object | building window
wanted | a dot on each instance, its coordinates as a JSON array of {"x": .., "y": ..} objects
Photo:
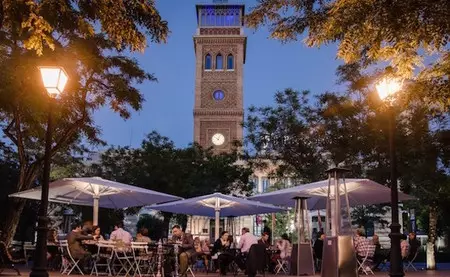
[
  {"x": 218, "y": 95},
  {"x": 254, "y": 182},
  {"x": 265, "y": 184},
  {"x": 208, "y": 62},
  {"x": 219, "y": 62},
  {"x": 230, "y": 62}
]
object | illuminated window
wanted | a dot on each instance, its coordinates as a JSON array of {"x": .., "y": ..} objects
[
  {"x": 208, "y": 62},
  {"x": 230, "y": 62},
  {"x": 219, "y": 62}
]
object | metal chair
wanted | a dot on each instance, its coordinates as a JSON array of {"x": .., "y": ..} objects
[
  {"x": 282, "y": 265},
  {"x": 409, "y": 263},
  {"x": 142, "y": 258},
  {"x": 364, "y": 264},
  {"x": 7, "y": 261},
  {"x": 69, "y": 263},
  {"x": 105, "y": 253}
]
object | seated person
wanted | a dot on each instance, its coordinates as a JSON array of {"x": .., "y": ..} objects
[
  {"x": 221, "y": 248},
  {"x": 206, "y": 252},
  {"x": 380, "y": 254},
  {"x": 404, "y": 246},
  {"x": 119, "y": 234},
  {"x": 264, "y": 239},
  {"x": 318, "y": 250},
  {"x": 76, "y": 249},
  {"x": 284, "y": 245},
  {"x": 360, "y": 243},
  {"x": 142, "y": 236},
  {"x": 414, "y": 245},
  {"x": 186, "y": 250},
  {"x": 246, "y": 241},
  {"x": 96, "y": 234}
]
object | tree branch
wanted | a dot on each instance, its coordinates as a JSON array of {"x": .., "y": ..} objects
[{"x": 7, "y": 132}]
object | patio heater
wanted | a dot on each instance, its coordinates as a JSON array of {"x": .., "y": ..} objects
[
  {"x": 302, "y": 251},
  {"x": 339, "y": 259}
]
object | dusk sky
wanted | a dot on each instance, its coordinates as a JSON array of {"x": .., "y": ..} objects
[{"x": 270, "y": 66}]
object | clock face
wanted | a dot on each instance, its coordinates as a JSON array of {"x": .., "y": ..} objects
[{"x": 218, "y": 139}]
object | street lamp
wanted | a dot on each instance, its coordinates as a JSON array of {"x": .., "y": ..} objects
[
  {"x": 54, "y": 80},
  {"x": 387, "y": 88}
]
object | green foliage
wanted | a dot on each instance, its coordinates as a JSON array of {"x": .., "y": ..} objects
[
  {"x": 88, "y": 39},
  {"x": 363, "y": 216},
  {"x": 281, "y": 132},
  {"x": 187, "y": 172},
  {"x": 405, "y": 34},
  {"x": 154, "y": 224},
  {"x": 351, "y": 130}
]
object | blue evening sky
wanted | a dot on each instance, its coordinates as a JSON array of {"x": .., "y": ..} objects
[{"x": 270, "y": 66}]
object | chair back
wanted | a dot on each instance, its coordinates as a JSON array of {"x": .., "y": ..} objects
[
  {"x": 105, "y": 249},
  {"x": 257, "y": 259},
  {"x": 6, "y": 257}
]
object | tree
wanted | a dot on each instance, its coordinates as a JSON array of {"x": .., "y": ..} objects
[
  {"x": 351, "y": 129},
  {"x": 280, "y": 132},
  {"x": 365, "y": 216},
  {"x": 405, "y": 34},
  {"x": 154, "y": 224},
  {"x": 87, "y": 38},
  {"x": 185, "y": 172}
]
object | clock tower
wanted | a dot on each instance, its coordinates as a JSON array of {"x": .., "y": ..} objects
[{"x": 220, "y": 55}]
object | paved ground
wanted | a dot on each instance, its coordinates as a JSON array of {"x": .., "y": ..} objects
[{"x": 438, "y": 273}]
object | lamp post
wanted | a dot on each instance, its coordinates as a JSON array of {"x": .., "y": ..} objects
[
  {"x": 54, "y": 80},
  {"x": 387, "y": 88}
]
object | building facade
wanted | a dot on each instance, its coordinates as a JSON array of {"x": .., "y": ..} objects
[{"x": 219, "y": 45}]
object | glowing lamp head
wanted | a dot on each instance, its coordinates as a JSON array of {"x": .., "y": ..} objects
[
  {"x": 54, "y": 78},
  {"x": 388, "y": 87}
]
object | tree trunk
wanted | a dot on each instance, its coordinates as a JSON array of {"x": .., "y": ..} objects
[
  {"x": 27, "y": 177},
  {"x": 15, "y": 207},
  {"x": 432, "y": 235}
]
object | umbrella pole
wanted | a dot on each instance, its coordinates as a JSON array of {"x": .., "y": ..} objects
[
  {"x": 217, "y": 219},
  {"x": 217, "y": 224},
  {"x": 95, "y": 215}
]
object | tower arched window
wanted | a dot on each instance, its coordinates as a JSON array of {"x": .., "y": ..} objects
[
  {"x": 219, "y": 62},
  {"x": 208, "y": 62},
  {"x": 230, "y": 62}
]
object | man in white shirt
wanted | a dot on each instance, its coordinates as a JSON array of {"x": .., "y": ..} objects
[
  {"x": 247, "y": 240},
  {"x": 120, "y": 234}
]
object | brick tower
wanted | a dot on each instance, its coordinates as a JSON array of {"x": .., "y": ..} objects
[{"x": 220, "y": 55}]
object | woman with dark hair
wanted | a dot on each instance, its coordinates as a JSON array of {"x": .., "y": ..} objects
[
  {"x": 221, "y": 249},
  {"x": 96, "y": 233}
]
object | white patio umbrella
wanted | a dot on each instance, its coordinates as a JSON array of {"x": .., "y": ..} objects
[
  {"x": 97, "y": 192},
  {"x": 360, "y": 192},
  {"x": 217, "y": 205}
]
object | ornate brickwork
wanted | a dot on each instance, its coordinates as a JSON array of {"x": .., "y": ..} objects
[
  {"x": 225, "y": 115},
  {"x": 226, "y": 128},
  {"x": 229, "y": 89},
  {"x": 223, "y": 112},
  {"x": 219, "y": 31}
]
